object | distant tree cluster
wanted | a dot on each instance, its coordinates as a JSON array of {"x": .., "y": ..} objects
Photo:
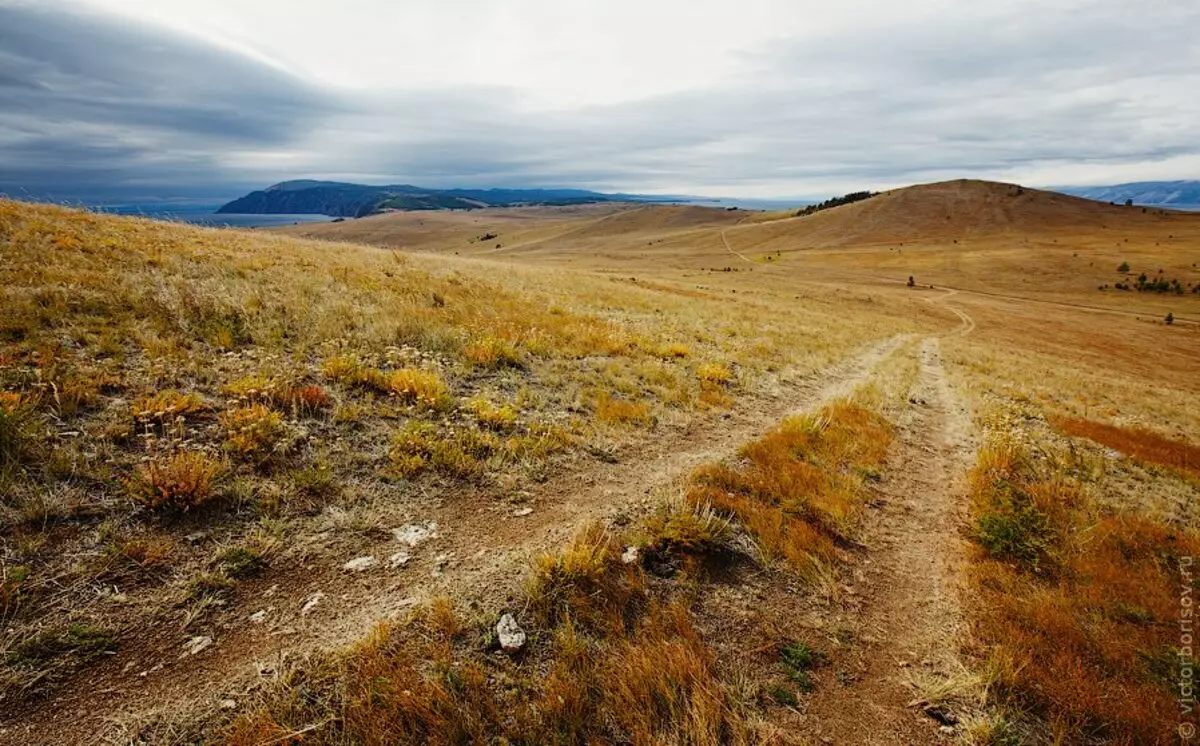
[
  {"x": 1157, "y": 284},
  {"x": 836, "y": 202}
]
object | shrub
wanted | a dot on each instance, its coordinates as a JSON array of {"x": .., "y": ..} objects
[
  {"x": 253, "y": 430},
  {"x": 1124, "y": 268},
  {"x": 181, "y": 481},
  {"x": 798, "y": 659}
]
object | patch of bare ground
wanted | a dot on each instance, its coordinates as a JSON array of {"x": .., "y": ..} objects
[
  {"x": 469, "y": 544},
  {"x": 893, "y": 624}
]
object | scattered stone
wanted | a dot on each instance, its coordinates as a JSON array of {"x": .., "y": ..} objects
[
  {"x": 416, "y": 533},
  {"x": 510, "y": 634},
  {"x": 258, "y": 617},
  {"x": 229, "y": 704},
  {"x": 360, "y": 564},
  {"x": 630, "y": 555},
  {"x": 195, "y": 645},
  {"x": 522, "y": 512},
  {"x": 311, "y": 603},
  {"x": 398, "y": 560}
]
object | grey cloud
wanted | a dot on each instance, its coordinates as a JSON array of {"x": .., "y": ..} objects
[
  {"x": 97, "y": 107},
  {"x": 102, "y": 106}
]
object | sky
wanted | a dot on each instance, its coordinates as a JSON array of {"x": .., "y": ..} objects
[{"x": 141, "y": 100}]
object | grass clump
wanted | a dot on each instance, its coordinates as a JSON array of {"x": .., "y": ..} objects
[
  {"x": 166, "y": 406},
  {"x": 680, "y": 528},
  {"x": 418, "y": 387},
  {"x": 76, "y": 641},
  {"x": 241, "y": 562},
  {"x": 622, "y": 411},
  {"x": 492, "y": 353},
  {"x": 802, "y": 486},
  {"x": 181, "y": 481},
  {"x": 253, "y": 431},
  {"x": 421, "y": 445},
  {"x": 586, "y": 582},
  {"x": 501, "y": 418}
]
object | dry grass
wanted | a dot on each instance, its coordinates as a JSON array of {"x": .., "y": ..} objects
[
  {"x": 1079, "y": 608},
  {"x": 800, "y": 488},
  {"x": 1136, "y": 442},
  {"x": 609, "y": 663}
]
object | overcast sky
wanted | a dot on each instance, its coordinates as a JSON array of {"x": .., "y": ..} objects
[{"x": 138, "y": 99}]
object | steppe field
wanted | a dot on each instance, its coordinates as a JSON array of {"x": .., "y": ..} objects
[{"x": 919, "y": 469}]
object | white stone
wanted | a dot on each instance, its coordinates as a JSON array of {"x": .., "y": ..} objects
[
  {"x": 360, "y": 564},
  {"x": 522, "y": 512},
  {"x": 630, "y": 555},
  {"x": 416, "y": 533},
  {"x": 510, "y": 634},
  {"x": 259, "y": 616}
]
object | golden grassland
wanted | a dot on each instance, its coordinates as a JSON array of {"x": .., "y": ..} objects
[{"x": 157, "y": 378}]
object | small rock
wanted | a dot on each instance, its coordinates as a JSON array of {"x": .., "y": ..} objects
[
  {"x": 258, "y": 617},
  {"x": 522, "y": 512},
  {"x": 416, "y": 533},
  {"x": 510, "y": 634},
  {"x": 360, "y": 564},
  {"x": 399, "y": 559},
  {"x": 229, "y": 704},
  {"x": 195, "y": 645},
  {"x": 311, "y": 603},
  {"x": 630, "y": 555}
]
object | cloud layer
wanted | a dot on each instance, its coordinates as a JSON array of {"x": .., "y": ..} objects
[{"x": 95, "y": 106}]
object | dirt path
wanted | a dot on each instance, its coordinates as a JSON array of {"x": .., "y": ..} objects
[
  {"x": 730, "y": 249},
  {"x": 904, "y": 605},
  {"x": 968, "y": 323},
  {"x": 480, "y": 551}
]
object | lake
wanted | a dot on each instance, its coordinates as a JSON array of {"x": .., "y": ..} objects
[{"x": 227, "y": 220}]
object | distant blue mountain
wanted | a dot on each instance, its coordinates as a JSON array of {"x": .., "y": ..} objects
[
  {"x": 1157, "y": 193},
  {"x": 339, "y": 199}
]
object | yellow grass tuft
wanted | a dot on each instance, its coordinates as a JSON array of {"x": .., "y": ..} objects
[
  {"x": 252, "y": 431},
  {"x": 166, "y": 406},
  {"x": 181, "y": 481}
]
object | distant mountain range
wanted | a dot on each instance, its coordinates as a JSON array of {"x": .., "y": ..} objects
[
  {"x": 1158, "y": 193},
  {"x": 339, "y": 199}
]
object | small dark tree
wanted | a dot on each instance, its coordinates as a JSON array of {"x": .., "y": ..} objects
[
  {"x": 1124, "y": 268},
  {"x": 911, "y": 281},
  {"x": 1170, "y": 319},
  {"x": 1129, "y": 203}
]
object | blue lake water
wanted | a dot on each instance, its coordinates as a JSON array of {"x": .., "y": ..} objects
[{"x": 230, "y": 220}]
